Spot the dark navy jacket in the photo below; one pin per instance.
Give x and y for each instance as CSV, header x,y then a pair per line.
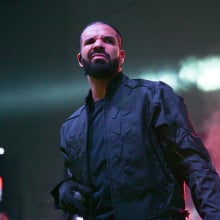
x,y
152,150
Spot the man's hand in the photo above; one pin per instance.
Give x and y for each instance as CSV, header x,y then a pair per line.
x,y
74,198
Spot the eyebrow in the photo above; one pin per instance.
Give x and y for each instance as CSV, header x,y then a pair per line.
x,y
101,37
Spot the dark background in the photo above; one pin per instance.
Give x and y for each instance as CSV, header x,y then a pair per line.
x,y
41,83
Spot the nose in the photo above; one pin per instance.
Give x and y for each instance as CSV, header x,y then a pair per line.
x,y
98,44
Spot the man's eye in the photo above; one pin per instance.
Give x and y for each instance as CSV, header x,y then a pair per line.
x,y
89,41
109,40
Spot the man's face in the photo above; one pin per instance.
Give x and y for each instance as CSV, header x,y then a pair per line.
x,y
100,54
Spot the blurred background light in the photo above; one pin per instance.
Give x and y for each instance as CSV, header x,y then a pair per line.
x,y
2,151
202,73
167,75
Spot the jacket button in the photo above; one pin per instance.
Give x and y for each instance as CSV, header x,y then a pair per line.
x,y
128,157
128,170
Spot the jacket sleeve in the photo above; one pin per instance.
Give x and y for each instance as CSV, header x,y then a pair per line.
x,y
55,192
185,152
72,150
56,195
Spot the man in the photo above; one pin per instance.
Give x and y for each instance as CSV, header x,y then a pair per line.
x,y
131,147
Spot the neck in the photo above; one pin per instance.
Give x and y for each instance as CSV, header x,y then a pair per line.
x,y
98,87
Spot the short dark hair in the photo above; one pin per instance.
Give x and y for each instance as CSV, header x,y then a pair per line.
x,y
120,40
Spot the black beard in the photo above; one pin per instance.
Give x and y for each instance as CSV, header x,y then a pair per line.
x,y
101,69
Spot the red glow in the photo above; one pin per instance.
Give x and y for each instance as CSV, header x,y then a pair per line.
x,y
1,183
1,187
212,140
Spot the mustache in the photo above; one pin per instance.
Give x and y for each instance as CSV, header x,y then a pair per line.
x,y
92,53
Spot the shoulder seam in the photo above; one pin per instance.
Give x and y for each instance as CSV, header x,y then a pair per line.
x,y
75,114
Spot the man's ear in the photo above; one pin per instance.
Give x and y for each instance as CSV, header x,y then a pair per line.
x,y
79,58
122,56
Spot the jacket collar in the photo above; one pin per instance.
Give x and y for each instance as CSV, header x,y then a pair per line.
x,y
117,80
